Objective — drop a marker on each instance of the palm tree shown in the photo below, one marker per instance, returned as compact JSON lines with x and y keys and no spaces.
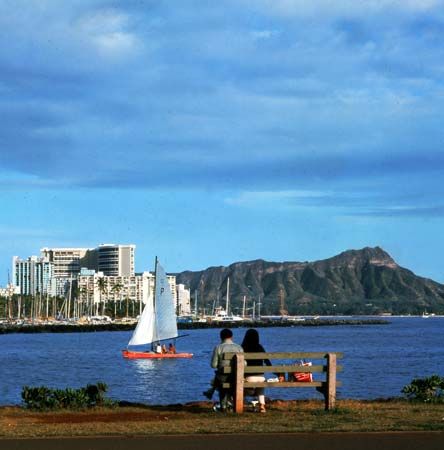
{"x":84,"y":292}
{"x":117,"y":288}
{"x":127,"y":300}
{"x":102,"y":284}
{"x":77,"y":292}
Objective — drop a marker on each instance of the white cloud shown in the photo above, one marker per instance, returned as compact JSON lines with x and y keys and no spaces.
{"x":26,"y":233}
{"x":257,"y":198}
{"x":341,"y":7}
{"x":103,"y":21}
{"x":264,"y":34}
{"x":115,"y":43}
{"x":108,"y":31}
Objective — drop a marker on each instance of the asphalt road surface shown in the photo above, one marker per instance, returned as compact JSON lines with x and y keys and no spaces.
{"x":299,"y":441}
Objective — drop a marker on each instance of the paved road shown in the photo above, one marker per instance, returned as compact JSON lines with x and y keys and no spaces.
{"x":300,"y":441}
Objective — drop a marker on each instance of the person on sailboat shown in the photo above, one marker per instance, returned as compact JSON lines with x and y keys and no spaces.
{"x":217,"y":362}
{"x":158,"y":348}
{"x":171,"y":348}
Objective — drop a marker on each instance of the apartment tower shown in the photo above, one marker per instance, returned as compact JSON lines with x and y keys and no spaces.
{"x":116,"y":260}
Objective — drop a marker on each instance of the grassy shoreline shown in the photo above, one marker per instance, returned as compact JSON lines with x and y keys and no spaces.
{"x":198,"y":418}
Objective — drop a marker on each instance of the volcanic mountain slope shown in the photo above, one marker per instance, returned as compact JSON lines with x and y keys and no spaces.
{"x":366,"y":281}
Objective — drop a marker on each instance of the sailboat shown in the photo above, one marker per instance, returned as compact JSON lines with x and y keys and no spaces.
{"x":157,"y":322}
{"x":224,"y":316}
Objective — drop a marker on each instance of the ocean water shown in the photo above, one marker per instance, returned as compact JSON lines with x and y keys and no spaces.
{"x":378,"y":360}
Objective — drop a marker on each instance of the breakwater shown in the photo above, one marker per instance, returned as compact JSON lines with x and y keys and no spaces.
{"x":283,"y":323}
{"x":90,"y":328}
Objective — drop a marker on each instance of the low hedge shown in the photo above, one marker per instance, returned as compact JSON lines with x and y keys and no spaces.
{"x":428,"y":390}
{"x":43,"y":398}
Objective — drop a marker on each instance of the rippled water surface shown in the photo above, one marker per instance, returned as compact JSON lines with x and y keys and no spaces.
{"x":378,"y":360}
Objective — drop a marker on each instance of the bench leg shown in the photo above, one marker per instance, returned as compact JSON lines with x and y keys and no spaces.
{"x":330,"y":391}
{"x":239,"y":384}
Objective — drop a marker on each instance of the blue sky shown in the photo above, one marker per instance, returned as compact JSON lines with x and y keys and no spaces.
{"x":213,"y":132}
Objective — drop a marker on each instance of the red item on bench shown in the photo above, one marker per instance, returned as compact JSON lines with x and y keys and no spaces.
{"x":303,"y":377}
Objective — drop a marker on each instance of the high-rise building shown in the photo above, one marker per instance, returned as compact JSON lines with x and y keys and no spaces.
{"x":116,"y":260}
{"x":66,"y":261}
{"x":183,"y":300}
{"x":33,"y":275}
{"x":65,"y":265}
{"x":137,"y":288}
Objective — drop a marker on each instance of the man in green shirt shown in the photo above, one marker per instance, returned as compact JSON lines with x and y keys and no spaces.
{"x":217,"y":362}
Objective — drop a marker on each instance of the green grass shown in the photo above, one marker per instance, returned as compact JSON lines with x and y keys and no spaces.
{"x":281,"y":417}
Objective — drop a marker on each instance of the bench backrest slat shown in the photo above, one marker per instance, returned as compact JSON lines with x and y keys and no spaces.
{"x":282,"y":369}
{"x":283,"y":355}
{"x":281,"y":385}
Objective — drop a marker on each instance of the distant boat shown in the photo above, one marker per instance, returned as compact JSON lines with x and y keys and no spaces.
{"x":295,"y":318}
{"x":221,"y":316}
{"x":99,"y":319}
{"x":230,"y":318}
{"x":426,"y":315}
{"x":158,"y":323}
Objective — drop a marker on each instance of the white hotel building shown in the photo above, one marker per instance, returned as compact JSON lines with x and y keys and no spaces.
{"x":135,"y":288}
{"x":111,"y":259}
{"x":116,"y":260}
{"x":66,"y":263}
{"x":183,"y":300}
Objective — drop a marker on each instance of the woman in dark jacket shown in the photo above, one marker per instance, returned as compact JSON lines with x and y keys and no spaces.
{"x":251,"y":344}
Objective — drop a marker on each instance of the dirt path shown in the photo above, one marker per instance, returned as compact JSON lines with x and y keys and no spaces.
{"x":299,"y":441}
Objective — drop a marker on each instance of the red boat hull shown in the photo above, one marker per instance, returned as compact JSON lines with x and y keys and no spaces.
{"x":151,"y":355}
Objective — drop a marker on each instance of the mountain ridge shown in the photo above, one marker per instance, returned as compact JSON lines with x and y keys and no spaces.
{"x":363,"y":281}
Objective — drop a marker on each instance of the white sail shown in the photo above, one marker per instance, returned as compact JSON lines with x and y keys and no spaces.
{"x":158,"y":320}
{"x":144,"y":332}
{"x":165,"y":308}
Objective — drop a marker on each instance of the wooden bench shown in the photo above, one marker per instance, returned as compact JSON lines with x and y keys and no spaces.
{"x":239,"y":371}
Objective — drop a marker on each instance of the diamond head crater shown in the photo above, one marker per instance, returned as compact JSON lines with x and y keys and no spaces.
{"x":366,"y":281}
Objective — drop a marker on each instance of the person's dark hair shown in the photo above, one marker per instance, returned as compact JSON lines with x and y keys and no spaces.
{"x":251,"y":340}
{"x":226,"y":333}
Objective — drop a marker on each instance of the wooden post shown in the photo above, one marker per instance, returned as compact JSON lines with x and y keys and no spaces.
{"x":239,"y":383}
{"x":330,"y":395}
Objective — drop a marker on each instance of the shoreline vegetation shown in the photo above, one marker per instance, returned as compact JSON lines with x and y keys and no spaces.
{"x":291,"y":416}
{"x":86,"y":411}
{"x":79,"y":328}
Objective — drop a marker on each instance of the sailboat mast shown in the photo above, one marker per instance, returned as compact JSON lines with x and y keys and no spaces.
{"x":155,"y":281}
{"x":154,"y":298}
{"x":227,"y":305}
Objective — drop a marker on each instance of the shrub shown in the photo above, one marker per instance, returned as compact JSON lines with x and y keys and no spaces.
{"x":43,"y":398}
{"x":429,"y":390}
